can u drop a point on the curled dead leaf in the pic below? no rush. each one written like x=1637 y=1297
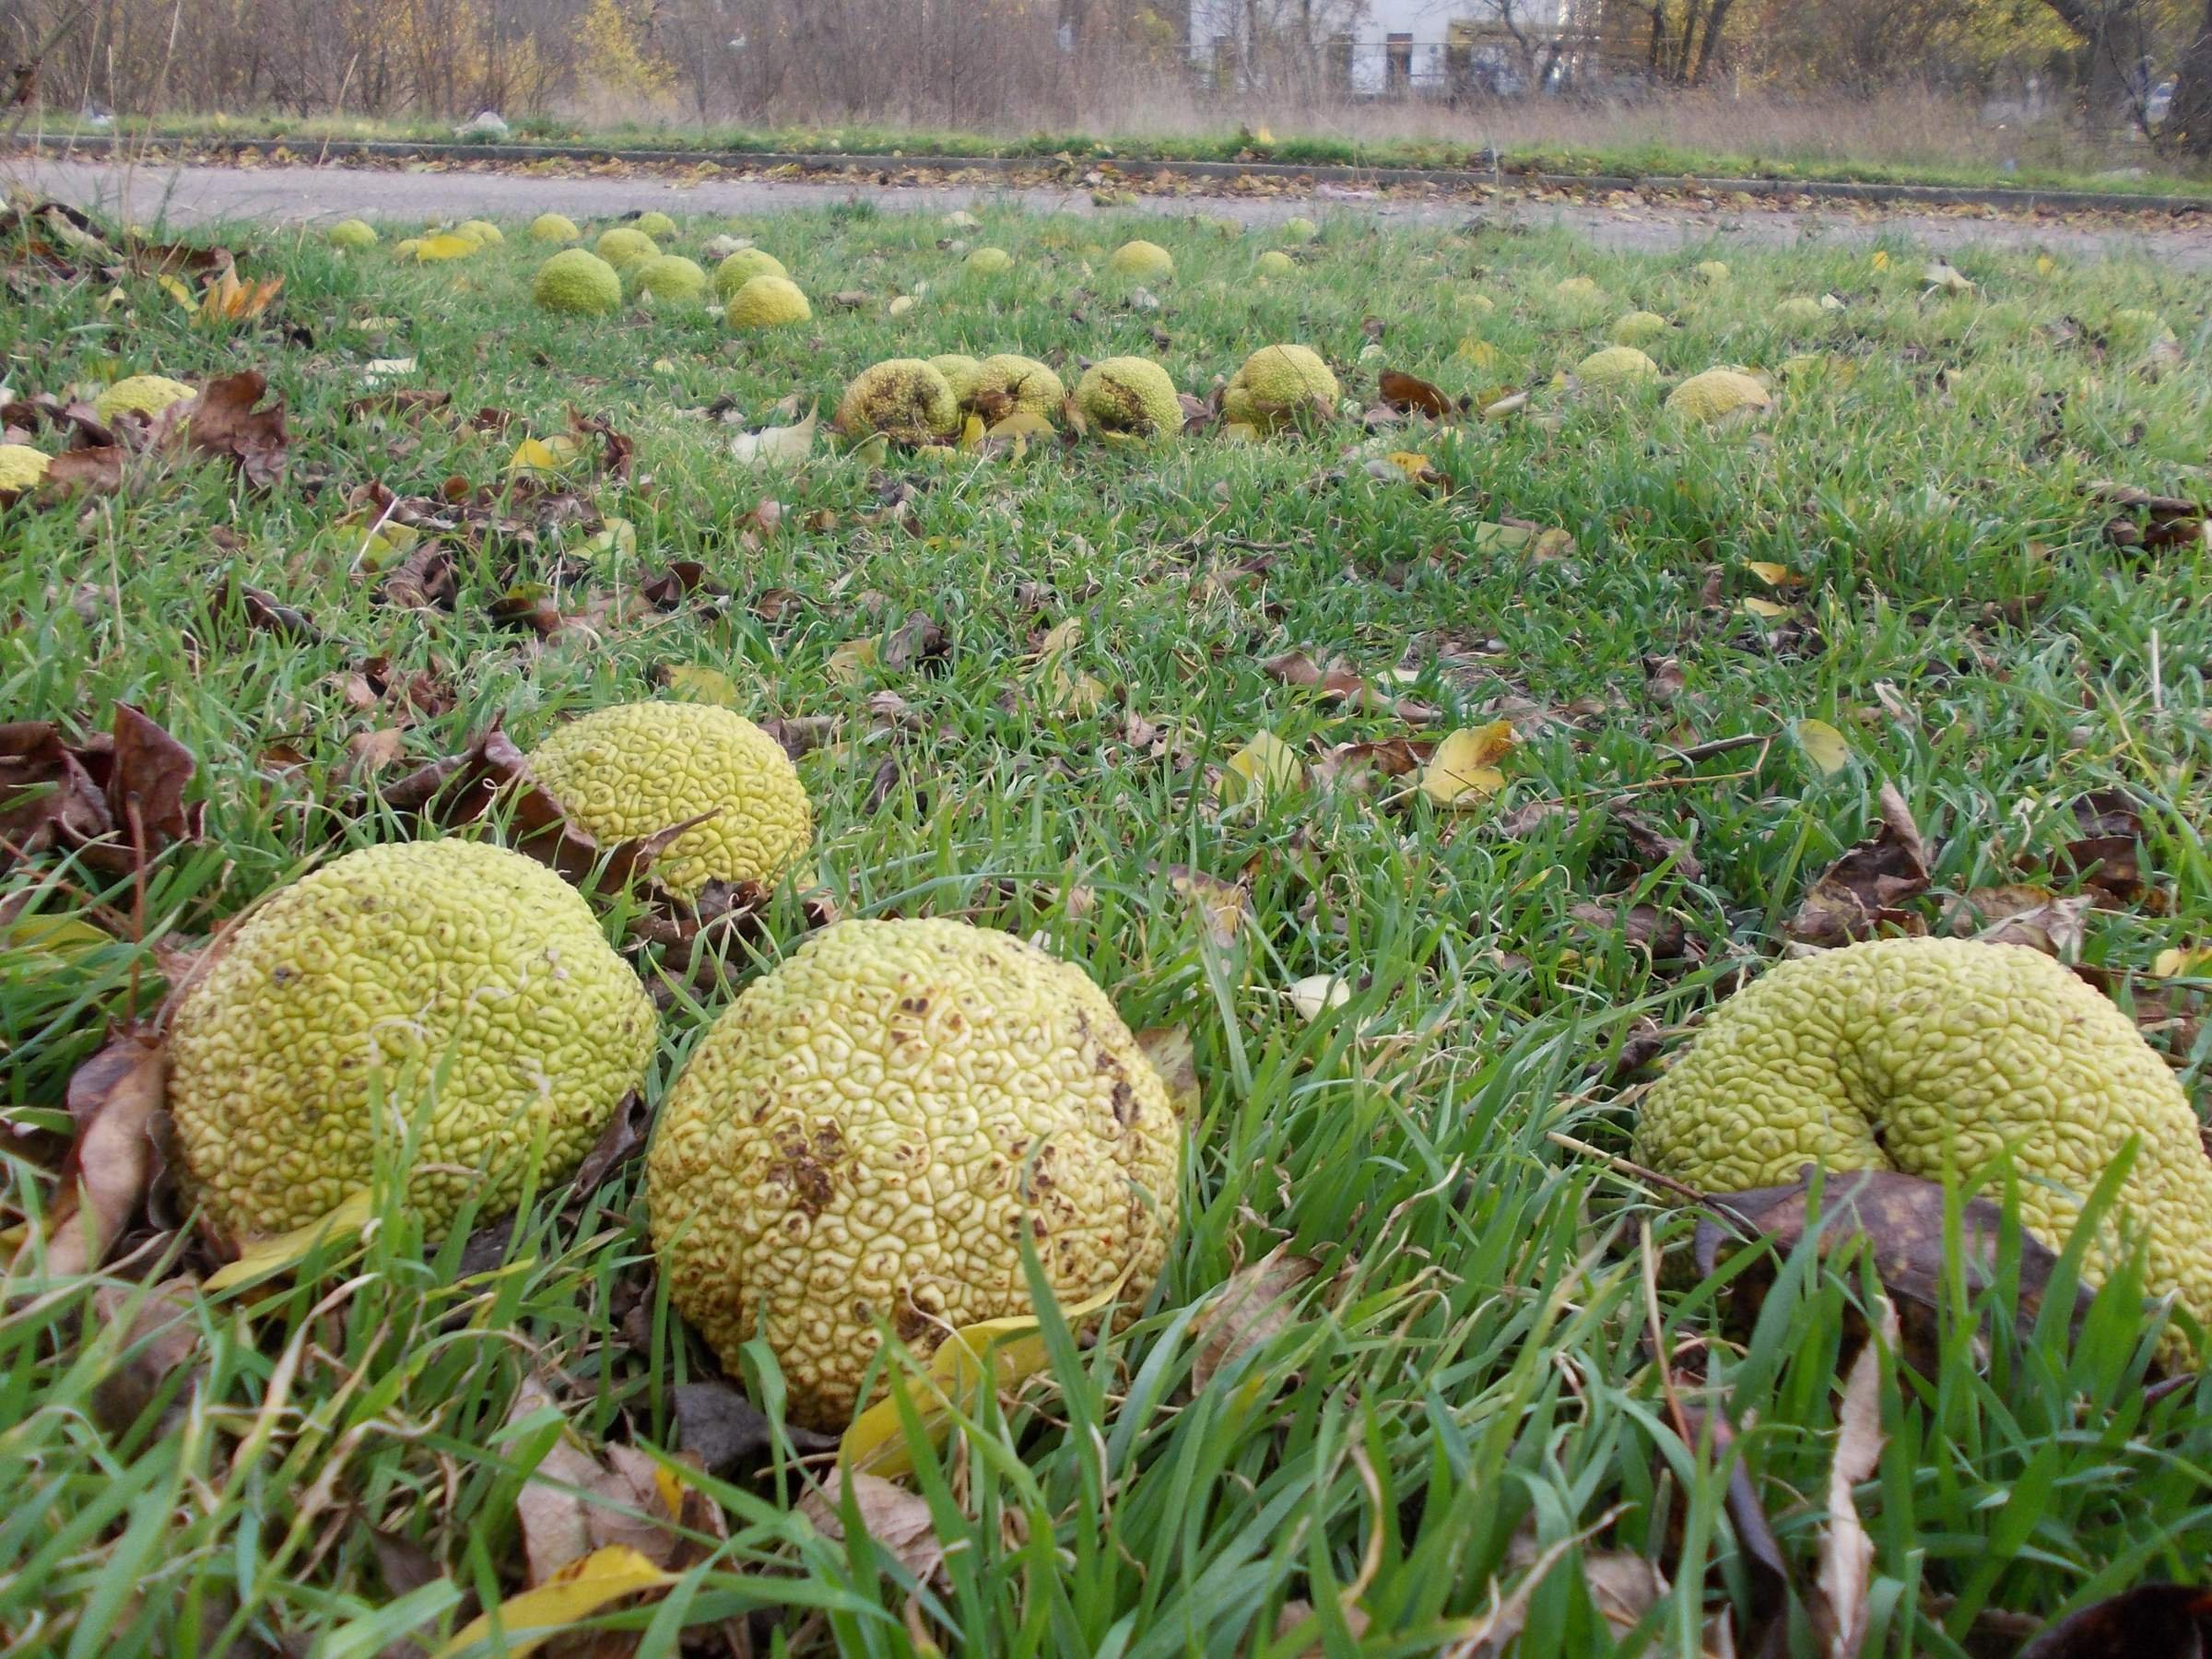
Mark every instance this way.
x=1248 y=1311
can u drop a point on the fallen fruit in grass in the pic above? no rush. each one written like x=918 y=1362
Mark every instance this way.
x=635 y=769
x=903 y=398
x=1130 y=397
x=579 y=282
x=1936 y=1057
x=1717 y=394
x=1277 y=384
x=742 y=266
x=876 y=1130
x=671 y=277
x=623 y=247
x=1028 y=387
x=449 y=991
x=1146 y=261
x=21 y=468
x=1616 y=366
x=353 y=233
x=554 y=227
x=768 y=302
x=146 y=395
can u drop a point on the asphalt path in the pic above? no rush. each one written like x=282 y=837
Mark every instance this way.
x=302 y=194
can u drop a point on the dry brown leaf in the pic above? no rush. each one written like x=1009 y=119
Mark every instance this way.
x=552 y=1508
x=1405 y=392
x=1219 y=905
x=2029 y=916
x=112 y=1100
x=163 y=1336
x=899 y=1521
x=1247 y=1312
x=1861 y=890
x=1175 y=1058
x=1838 y=1600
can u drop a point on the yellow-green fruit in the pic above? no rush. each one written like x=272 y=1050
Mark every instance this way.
x=2134 y=326
x=554 y=227
x=656 y=224
x=1481 y=303
x=1717 y=394
x=671 y=277
x=1275 y=262
x=742 y=266
x=959 y=373
x=146 y=395
x=1805 y=363
x=574 y=280
x=1029 y=387
x=637 y=769
x=1576 y=287
x=1130 y=397
x=903 y=398
x=623 y=247
x=1801 y=311
x=990 y=262
x=768 y=302
x=1936 y=1057
x=874 y=1131
x=1144 y=260
x=1298 y=230
x=353 y=233
x=407 y=249
x=1712 y=270
x=1277 y=384
x=20 y=467
x=448 y=988
x=484 y=230
x=1616 y=366
x=1638 y=328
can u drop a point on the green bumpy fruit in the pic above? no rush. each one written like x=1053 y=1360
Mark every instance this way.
x=1616 y=366
x=1277 y=384
x=1275 y=262
x=353 y=234
x=1299 y=229
x=1130 y=397
x=450 y=984
x=554 y=227
x=1801 y=311
x=146 y=395
x=578 y=282
x=990 y=262
x=1717 y=394
x=742 y=266
x=623 y=247
x=634 y=770
x=1936 y=1057
x=768 y=302
x=1638 y=328
x=1143 y=261
x=1029 y=386
x=658 y=226
x=21 y=468
x=903 y=398
x=875 y=1129
x=487 y=233
x=671 y=277
x=959 y=373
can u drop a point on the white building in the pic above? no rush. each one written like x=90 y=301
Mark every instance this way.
x=1380 y=47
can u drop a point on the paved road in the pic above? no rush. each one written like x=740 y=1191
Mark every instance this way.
x=301 y=195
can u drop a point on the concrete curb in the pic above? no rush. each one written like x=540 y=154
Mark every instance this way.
x=1136 y=173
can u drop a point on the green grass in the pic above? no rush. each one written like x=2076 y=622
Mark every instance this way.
x=2034 y=168
x=1482 y=1361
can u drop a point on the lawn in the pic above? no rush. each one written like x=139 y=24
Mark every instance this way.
x=1501 y=1395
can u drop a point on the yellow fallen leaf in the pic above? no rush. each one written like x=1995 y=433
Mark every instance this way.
x=1064 y=636
x=286 y=1249
x=542 y=454
x=1824 y=745
x=1310 y=996
x=1764 y=607
x=2046 y=265
x=176 y=291
x=532 y=1617
x=848 y=661
x=1480 y=353
x=1264 y=764
x=972 y=433
x=901 y=306
x=691 y=682
x=1461 y=771
x=776 y=445
x=1773 y=575
x=1004 y=1351
x=1881 y=260
x=2172 y=964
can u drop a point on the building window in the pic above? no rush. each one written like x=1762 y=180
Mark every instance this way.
x=1399 y=72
